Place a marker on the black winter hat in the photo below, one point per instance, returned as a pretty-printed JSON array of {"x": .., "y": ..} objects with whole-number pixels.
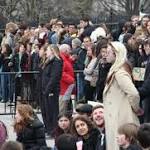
[{"x": 84, "y": 108}]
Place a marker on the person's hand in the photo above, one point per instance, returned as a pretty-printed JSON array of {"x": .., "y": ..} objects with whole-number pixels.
[
  {"x": 80, "y": 31},
  {"x": 10, "y": 64},
  {"x": 74, "y": 57},
  {"x": 51, "y": 94},
  {"x": 140, "y": 112},
  {"x": 3, "y": 51}
]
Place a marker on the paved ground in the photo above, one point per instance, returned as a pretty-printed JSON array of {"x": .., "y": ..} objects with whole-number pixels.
[{"x": 8, "y": 120}]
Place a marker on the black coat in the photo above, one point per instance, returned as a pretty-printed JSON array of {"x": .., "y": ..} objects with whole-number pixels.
[
  {"x": 81, "y": 55},
  {"x": 144, "y": 92},
  {"x": 4, "y": 63},
  {"x": 145, "y": 89},
  {"x": 1, "y": 59},
  {"x": 133, "y": 147},
  {"x": 140, "y": 62},
  {"x": 51, "y": 76},
  {"x": 101, "y": 143},
  {"x": 87, "y": 32},
  {"x": 103, "y": 70},
  {"x": 91, "y": 142},
  {"x": 35, "y": 61},
  {"x": 33, "y": 136},
  {"x": 23, "y": 62}
]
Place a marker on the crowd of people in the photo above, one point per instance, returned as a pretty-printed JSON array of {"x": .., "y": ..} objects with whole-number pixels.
[{"x": 92, "y": 64}]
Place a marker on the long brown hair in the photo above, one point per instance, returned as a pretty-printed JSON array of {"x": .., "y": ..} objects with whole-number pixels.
[
  {"x": 26, "y": 112},
  {"x": 55, "y": 49},
  {"x": 43, "y": 59},
  {"x": 84, "y": 119},
  {"x": 128, "y": 69}
]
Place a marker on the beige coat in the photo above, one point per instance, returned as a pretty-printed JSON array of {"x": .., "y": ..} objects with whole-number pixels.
[{"x": 120, "y": 99}]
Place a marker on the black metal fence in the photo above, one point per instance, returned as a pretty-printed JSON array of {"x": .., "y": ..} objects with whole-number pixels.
[
  {"x": 15, "y": 87},
  {"x": 21, "y": 87}
]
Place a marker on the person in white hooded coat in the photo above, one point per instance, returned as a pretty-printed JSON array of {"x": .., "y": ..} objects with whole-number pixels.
[{"x": 121, "y": 99}]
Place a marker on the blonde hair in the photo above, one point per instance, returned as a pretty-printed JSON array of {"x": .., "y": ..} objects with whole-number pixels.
[
  {"x": 11, "y": 27},
  {"x": 54, "y": 48}
]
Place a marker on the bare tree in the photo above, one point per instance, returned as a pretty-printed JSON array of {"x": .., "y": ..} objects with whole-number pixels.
[
  {"x": 8, "y": 8},
  {"x": 83, "y": 7},
  {"x": 130, "y": 7},
  {"x": 44, "y": 10},
  {"x": 145, "y": 6},
  {"x": 30, "y": 9}
]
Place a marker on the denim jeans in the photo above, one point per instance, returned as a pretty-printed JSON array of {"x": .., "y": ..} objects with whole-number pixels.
[
  {"x": 80, "y": 86},
  {"x": 6, "y": 87}
]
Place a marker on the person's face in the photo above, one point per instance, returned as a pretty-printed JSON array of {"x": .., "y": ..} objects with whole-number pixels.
[
  {"x": 71, "y": 29},
  {"x": 122, "y": 140},
  {"x": 89, "y": 51},
  {"x": 110, "y": 58},
  {"x": 144, "y": 21},
  {"x": 147, "y": 49},
  {"x": 41, "y": 53},
  {"x": 58, "y": 27},
  {"x": 64, "y": 123},
  {"x": 22, "y": 49},
  {"x": 81, "y": 128},
  {"x": 83, "y": 23},
  {"x": 4, "y": 49},
  {"x": 148, "y": 27},
  {"x": 103, "y": 53},
  {"x": 49, "y": 53},
  {"x": 68, "y": 51},
  {"x": 18, "y": 116},
  {"x": 36, "y": 48},
  {"x": 135, "y": 21},
  {"x": 28, "y": 47},
  {"x": 87, "y": 42},
  {"x": 98, "y": 117}
]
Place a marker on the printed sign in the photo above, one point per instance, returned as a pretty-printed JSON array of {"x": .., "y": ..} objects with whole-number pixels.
[{"x": 138, "y": 73}]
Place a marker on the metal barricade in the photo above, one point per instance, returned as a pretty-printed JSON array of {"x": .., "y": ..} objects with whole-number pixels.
[
  {"x": 13, "y": 85},
  {"x": 78, "y": 74}
]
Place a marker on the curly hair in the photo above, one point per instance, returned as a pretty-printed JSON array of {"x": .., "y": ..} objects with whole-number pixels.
[
  {"x": 27, "y": 115},
  {"x": 84, "y": 119}
]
